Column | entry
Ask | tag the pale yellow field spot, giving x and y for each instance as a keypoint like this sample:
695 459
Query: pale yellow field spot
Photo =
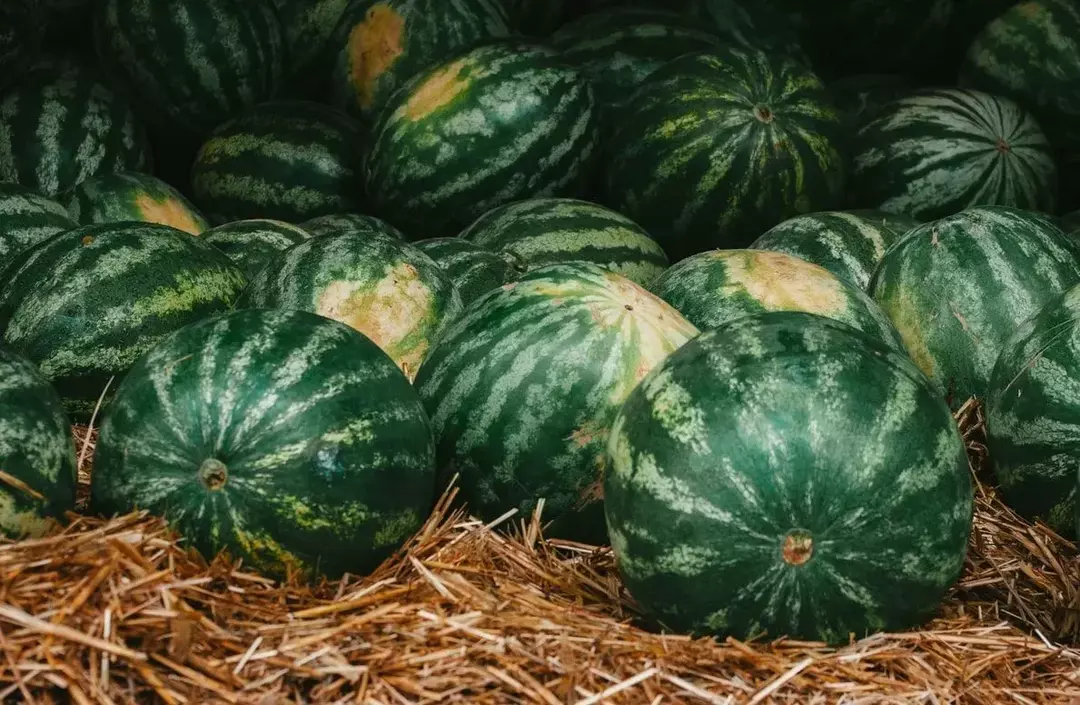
374 46
169 211
437 91
782 282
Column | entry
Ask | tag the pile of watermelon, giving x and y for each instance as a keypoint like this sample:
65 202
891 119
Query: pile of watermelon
707 278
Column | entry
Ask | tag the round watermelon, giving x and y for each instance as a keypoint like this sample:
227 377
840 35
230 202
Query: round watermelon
133 196
85 304
252 244
27 218
958 287
716 148
311 455
787 475
504 122
523 388
473 269
37 453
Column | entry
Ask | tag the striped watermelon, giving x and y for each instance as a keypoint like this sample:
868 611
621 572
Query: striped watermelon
544 231
27 218
847 243
284 160
749 23
1032 424
501 123
192 63
85 304
938 151
338 223
59 126
37 454
133 196
309 31
958 287
292 441
787 475
717 148
716 287
386 43
474 270
252 244
523 389
385 288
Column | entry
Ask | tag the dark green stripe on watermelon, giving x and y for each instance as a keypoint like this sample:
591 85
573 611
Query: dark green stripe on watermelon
251 244
131 196
27 218
310 454
474 270
288 160
85 304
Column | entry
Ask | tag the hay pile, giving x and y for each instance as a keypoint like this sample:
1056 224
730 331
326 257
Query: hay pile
118 611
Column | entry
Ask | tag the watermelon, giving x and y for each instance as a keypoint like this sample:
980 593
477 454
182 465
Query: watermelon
252 244
504 122
787 475
717 148
59 126
748 23
523 388
284 160
958 287
545 231
288 439
192 63
132 196
1032 424
27 218
386 43
713 288
847 243
337 223
85 304
473 269
385 288
309 32
939 151
37 453
860 97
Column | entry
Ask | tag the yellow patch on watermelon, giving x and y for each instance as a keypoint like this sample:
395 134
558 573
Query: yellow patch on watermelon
903 312
781 282
439 90
374 46
22 523
265 553
169 211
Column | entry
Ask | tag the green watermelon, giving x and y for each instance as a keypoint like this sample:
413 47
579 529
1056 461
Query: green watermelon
309 31
85 304
938 151
285 160
385 288
847 243
37 453
192 63
27 218
59 126
717 148
338 223
787 475
713 288
502 123
473 269
386 43
132 196
284 437
542 231
523 388
252 244
958 287
861 97
748 23
1032 423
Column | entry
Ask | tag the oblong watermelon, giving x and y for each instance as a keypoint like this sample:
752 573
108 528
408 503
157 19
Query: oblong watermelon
523 388
786 475
385 288
716 148
958 287
60 125
938 151
473 269
311 453
27 218
85 304
283 160
542 231
251 244
714 288
133 196
338 223
37 453
847 243
504 122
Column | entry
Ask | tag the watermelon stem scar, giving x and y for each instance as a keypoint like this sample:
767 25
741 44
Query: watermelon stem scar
798 547
763 113
213 474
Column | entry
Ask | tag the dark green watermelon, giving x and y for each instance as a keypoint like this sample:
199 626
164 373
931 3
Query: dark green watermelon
123 196
311 455
27 218
473 269
251 244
